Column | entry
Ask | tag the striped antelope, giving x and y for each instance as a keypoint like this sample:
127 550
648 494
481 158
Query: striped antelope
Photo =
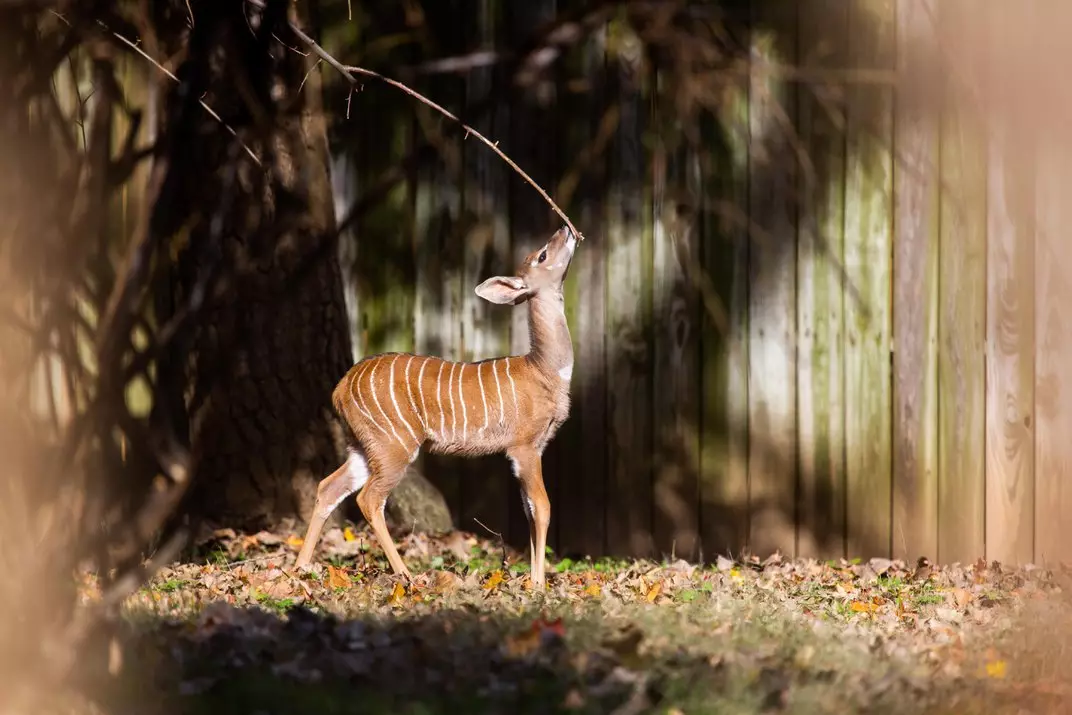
395 403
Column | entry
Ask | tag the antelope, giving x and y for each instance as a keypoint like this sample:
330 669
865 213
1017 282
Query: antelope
396 403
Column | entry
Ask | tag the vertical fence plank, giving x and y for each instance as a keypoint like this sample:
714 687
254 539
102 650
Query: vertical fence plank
820 353
531 143
585 118
724 342
1010 453
915 288
628 355
772 273
962 312
675 414
485 235
438 245
868 235
384 266
1053 372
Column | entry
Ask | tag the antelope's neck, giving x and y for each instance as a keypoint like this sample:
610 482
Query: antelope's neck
550 345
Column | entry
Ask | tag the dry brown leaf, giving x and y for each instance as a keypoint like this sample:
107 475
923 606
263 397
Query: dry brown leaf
494 580
337 578
398 593
446 582
574 700
523 643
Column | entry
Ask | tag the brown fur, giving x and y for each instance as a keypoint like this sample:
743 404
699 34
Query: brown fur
398 403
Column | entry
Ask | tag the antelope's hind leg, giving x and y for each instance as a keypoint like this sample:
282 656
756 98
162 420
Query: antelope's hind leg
385 475
331 492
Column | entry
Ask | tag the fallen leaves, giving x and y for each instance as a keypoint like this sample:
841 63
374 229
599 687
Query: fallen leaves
539 634
732 618
397 596
337 578
493 580
996 669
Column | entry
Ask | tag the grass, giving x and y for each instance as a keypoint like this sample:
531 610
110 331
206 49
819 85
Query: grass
233 636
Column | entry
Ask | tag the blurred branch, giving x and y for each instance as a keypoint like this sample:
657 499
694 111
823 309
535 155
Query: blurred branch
349 72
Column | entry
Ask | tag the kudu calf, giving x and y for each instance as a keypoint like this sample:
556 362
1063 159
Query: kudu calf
396 403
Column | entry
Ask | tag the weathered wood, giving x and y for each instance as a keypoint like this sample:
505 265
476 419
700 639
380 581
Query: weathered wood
820 261
962 316
1053 364
915 288
675 410
868 235
485 234
1010 297
725 245
772 292
583 438
532 142
384 270
440 251
629 495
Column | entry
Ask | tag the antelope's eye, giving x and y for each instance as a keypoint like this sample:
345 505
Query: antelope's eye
543 257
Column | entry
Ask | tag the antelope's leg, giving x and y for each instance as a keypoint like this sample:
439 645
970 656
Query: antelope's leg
372 500
538 506
331 492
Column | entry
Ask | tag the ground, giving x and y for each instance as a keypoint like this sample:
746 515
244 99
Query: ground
242 632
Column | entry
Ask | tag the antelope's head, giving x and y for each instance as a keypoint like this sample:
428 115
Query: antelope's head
542 271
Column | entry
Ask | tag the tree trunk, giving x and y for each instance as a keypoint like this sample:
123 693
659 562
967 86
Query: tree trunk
262 426
264 364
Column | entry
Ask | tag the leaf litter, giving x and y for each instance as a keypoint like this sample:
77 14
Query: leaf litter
242 626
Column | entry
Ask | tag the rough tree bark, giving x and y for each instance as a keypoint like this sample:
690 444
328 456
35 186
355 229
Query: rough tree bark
261 370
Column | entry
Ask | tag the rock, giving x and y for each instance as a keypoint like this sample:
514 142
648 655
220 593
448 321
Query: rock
416 505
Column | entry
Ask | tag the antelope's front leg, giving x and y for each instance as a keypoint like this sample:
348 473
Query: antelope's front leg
529 467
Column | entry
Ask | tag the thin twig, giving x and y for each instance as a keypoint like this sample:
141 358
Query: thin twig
306 77
349 72
494 146
502 542
171 75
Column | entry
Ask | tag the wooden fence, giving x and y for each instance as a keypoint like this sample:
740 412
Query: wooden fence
825 318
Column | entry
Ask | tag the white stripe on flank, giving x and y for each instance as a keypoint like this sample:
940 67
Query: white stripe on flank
461 398
409 395
394 401
363 408
376 399
483 397
420 391
450 394
498 386
439 402
513 385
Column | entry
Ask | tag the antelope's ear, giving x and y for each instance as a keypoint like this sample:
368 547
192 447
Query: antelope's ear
504 290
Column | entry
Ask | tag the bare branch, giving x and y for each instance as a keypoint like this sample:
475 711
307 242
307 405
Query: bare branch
349 72
132 45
